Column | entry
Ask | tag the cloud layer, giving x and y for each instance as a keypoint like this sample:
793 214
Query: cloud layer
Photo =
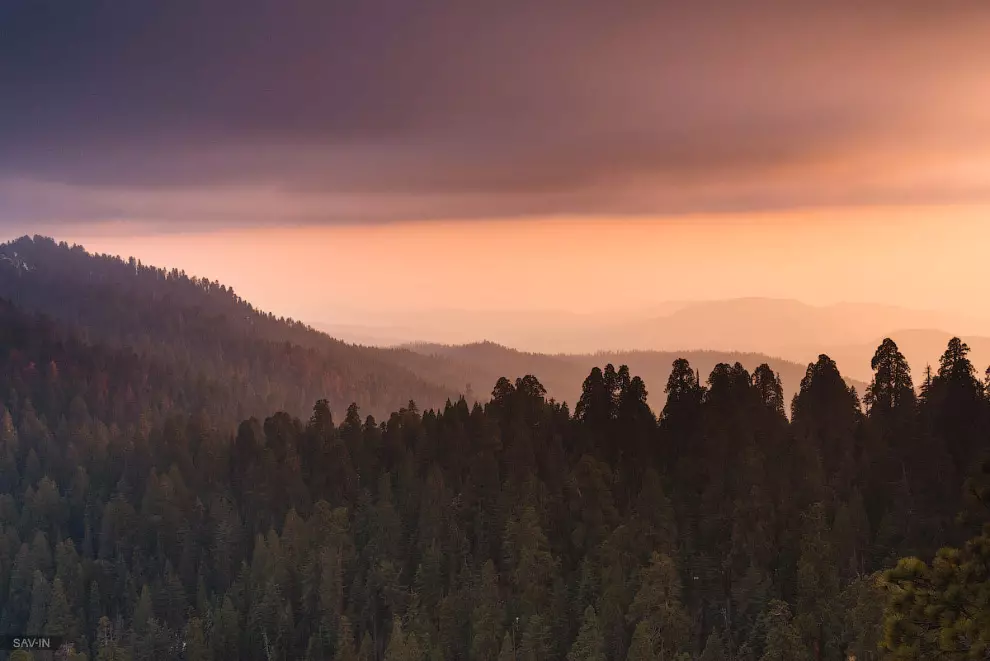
259 112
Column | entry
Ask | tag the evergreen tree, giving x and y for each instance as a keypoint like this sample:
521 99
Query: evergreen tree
143 613
196 647
818 615
956 406
366 652
402 646
716 648
345 642
487 615
940 611
891 390
662 628
769 388
783 640
59 621
41 593
507 652
589 644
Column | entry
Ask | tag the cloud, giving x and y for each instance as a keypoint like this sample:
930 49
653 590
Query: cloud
384 111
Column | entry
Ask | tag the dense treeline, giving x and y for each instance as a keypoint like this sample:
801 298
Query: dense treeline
482 363
136 522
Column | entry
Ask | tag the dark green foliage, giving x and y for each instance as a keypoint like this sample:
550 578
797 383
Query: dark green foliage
142 508
783 638
589 644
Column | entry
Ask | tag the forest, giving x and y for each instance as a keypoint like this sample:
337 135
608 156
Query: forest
161 496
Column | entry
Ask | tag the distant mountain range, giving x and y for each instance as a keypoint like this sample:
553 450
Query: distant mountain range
788 329
563 374
214 341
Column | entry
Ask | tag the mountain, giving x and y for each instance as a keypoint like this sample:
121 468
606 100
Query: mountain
151 509
793 331
205 330
562 374
787 328
921 347
533 330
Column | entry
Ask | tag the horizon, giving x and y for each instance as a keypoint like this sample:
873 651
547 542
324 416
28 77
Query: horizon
674 259
505 197
922 336
682 165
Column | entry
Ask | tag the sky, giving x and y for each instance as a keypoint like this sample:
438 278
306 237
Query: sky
330 159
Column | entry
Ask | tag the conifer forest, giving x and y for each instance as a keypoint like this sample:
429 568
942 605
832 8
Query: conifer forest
171 493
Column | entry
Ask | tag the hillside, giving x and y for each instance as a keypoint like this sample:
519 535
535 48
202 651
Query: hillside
562 374
137 524
784 328
205 329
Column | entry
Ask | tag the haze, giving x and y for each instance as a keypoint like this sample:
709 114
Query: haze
571 174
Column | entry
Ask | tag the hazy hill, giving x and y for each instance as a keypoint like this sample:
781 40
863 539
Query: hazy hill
791 330
921 347
849 332
204 329
562 374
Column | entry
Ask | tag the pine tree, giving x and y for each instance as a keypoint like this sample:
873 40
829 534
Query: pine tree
956 406
59 621
891 389
863 610
783 640
537 639
662 628
108 643
589 644
402 646
768 386
507 652
345 641
818 614
196 647
940 611
366 651
143 611
225 632
716 648
487 615
41 593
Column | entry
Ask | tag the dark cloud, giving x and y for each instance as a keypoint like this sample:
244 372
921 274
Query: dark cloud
388 110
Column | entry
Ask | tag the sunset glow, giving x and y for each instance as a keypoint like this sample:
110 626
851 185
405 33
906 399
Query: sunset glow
338 273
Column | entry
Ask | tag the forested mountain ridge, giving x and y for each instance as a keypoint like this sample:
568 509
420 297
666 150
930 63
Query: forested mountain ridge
138 524
561 374
205 328
785 328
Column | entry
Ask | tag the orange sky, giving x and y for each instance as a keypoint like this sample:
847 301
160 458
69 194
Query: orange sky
924 257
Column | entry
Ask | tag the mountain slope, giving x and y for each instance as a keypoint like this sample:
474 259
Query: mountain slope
204 328
788 329
562 374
